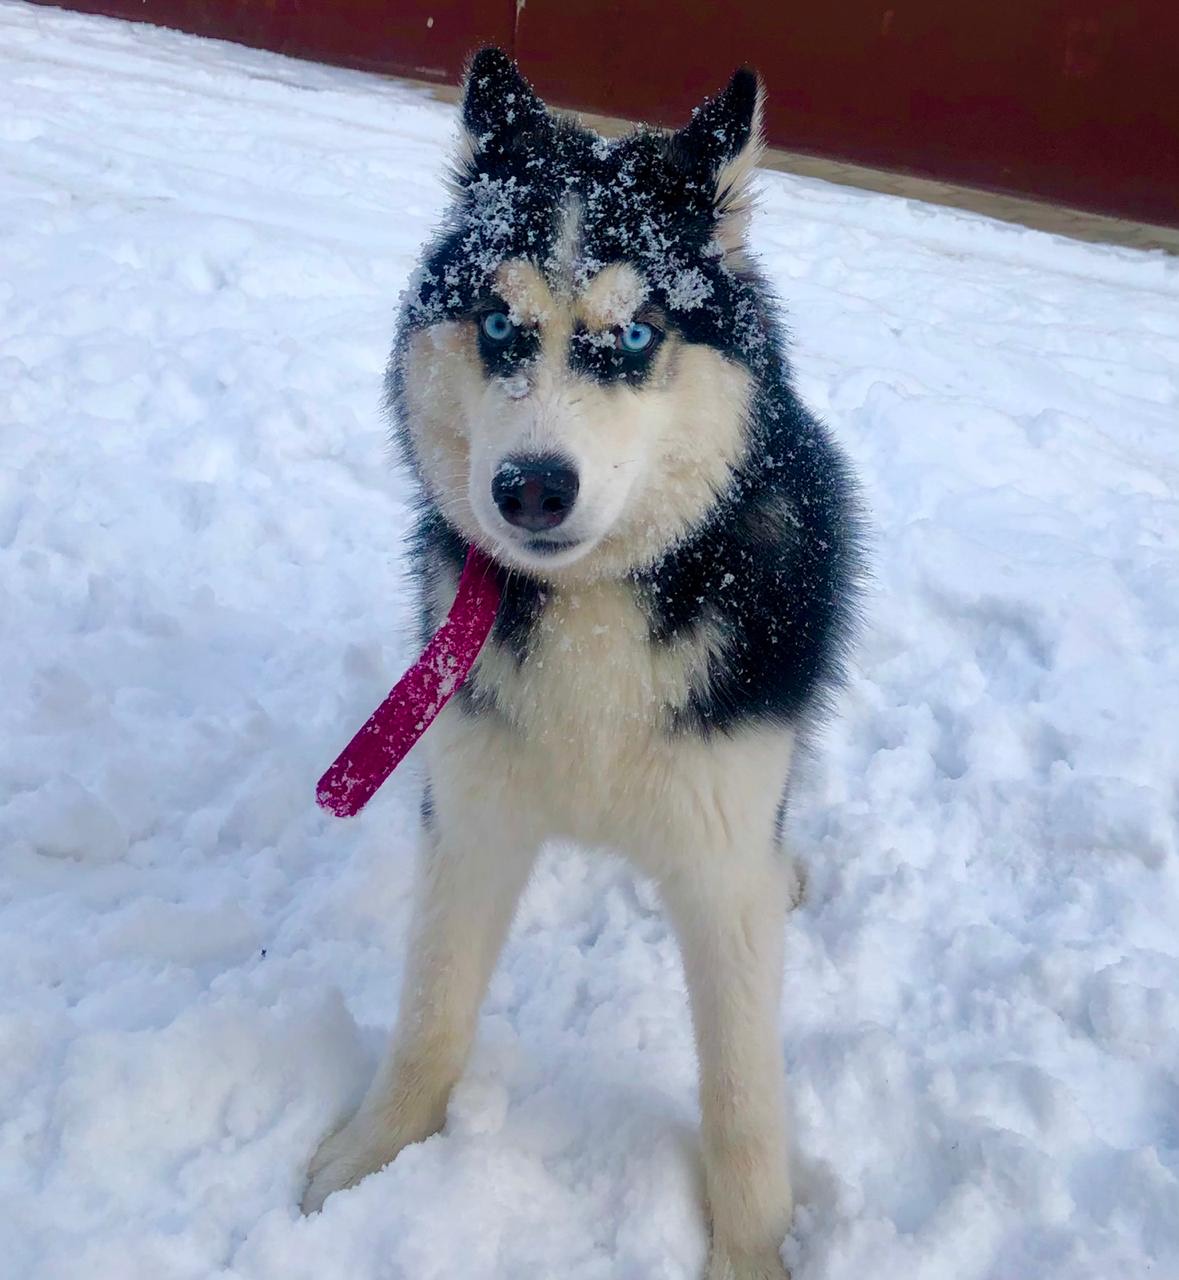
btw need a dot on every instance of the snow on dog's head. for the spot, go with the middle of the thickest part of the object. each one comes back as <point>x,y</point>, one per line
<point>575,369</point>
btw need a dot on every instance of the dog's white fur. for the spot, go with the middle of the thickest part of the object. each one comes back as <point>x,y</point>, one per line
<point>578,747</point>
<point>583,758</point>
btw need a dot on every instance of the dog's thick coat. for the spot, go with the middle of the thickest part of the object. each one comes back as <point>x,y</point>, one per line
<point>590,383</point>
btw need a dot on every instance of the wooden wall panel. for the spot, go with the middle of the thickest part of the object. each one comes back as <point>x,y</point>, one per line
<point>1075,101</point>
<point>425,39</point>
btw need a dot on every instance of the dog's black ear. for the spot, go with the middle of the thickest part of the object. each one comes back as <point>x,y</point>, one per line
<point>500,112</point>
<point>721,145</point>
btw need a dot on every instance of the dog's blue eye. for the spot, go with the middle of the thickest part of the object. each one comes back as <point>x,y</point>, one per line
<point>498,327</point>
<point>636,337</point>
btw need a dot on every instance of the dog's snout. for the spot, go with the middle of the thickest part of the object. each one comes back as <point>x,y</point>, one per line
<point>535,493</point>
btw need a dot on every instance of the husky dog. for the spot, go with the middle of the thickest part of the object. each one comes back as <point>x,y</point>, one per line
<point>590,384</point>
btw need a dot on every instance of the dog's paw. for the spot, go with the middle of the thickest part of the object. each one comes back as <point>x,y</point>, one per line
<point>726,1264</point>
<point>343,1159</point>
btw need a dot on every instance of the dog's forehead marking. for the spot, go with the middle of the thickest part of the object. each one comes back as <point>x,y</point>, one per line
<point>613,297</point>
<point>565,260</point>
<point>524,288</point>
<point>610,299</point>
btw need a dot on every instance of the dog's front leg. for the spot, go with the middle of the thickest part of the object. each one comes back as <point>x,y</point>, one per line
<point>729,908</point>
<point>473,868</point>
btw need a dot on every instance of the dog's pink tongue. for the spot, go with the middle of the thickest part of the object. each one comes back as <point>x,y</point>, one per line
<point>384,740</point>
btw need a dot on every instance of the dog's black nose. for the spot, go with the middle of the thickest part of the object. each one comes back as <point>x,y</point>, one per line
<point>535,493</point>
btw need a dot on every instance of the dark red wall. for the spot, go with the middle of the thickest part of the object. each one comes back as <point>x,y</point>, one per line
<point>426,39</point>
<point>1069,100</point>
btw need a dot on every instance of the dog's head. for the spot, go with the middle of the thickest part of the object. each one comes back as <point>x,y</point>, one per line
<point>574,374</point>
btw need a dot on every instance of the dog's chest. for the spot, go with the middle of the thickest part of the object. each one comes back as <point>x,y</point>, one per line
<point>592,672</point>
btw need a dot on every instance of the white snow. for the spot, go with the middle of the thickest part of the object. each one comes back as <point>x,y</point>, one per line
<point>201,248</point>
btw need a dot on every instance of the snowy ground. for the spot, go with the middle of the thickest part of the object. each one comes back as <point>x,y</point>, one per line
<point>203,593</point>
